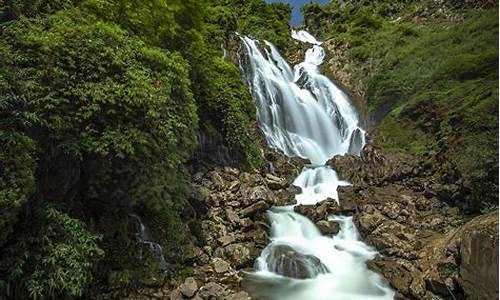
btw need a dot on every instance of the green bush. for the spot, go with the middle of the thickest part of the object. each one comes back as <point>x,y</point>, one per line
<point>17,179</point>
<point>172,24</point>
<point>227,99</point>
<point>93,90</point>
<point>55,262</point>
<point>14,9</point>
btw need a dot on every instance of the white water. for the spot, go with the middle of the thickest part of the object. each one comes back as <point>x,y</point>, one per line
<point>305,37</point>
<point>154,248</point>
<point>302,113</point>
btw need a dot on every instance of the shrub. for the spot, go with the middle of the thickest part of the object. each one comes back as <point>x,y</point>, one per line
<point>55,262</point>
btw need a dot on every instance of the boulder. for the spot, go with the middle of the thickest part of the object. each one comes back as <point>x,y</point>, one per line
<point>189,287</point>
<point>212,290</point>
<point>241,254</point>
<point>328,227</point>
<point>220,265</point>
<point>275,183</point>
<point>479,257</point>
<point>258,207</point>
<point>368,222</point>
<point>286,261</point>
<point>239,296</point>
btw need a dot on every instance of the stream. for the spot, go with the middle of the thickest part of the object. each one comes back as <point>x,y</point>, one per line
<point>302,113</point>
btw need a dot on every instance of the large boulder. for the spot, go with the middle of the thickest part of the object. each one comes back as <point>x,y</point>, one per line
<point>479,257</point>
<point>286,261</point>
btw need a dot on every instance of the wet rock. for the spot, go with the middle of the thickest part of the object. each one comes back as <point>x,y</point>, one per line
<point>328,227</point>
<point>189,287</point>
<point>284,260</point>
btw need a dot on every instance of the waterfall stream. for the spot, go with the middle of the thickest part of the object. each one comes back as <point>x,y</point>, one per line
<point>302,113</point>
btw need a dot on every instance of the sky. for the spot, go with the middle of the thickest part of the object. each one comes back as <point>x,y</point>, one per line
<point>297,18</point>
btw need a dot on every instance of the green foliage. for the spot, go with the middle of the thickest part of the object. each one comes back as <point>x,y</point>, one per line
<point>17,181</point>
<point>172,24</point>
<point>94,90</point>
<point>56,261</point>
<point>399,136</point>
<point>14,9</point>
<point>228,103</point>
<point>265,21</point>
<point>269,21</point>
<point>454,73</point>
<point>124,111</point>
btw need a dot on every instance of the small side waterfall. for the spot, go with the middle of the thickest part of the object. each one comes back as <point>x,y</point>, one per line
<point>154,248</point>
<point>302,113</point>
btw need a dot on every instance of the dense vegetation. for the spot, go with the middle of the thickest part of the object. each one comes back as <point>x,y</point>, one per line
<point>101,104</point>
<point>431,76</point>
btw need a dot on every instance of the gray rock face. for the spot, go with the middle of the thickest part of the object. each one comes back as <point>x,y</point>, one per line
<point>284,260</point>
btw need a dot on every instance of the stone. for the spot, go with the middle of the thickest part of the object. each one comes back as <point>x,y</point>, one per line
<point>217,180</point>
<point>232,216</point>
<point>328,227</point>
<point>479,257</point>
<point>260,192</point>
<point>175,294</point>
<point>239,296</point>
<point>234,186</point>
<point>258,207</point>
<point>240,254</point>
<point>189,287</point>
<point>286,261</point>
<point>220,265</point>
<point>368,222</point>
<point>275,183</point>
<point>212,290</point>
<point>395,272</point>
<point>226,240</point>
<point>232,171</point>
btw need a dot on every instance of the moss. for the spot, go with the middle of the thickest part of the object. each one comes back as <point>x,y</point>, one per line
<point>395,135</point>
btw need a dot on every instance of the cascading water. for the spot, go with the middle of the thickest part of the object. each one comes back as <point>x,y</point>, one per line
<point>302,113</point>
<point>154,248</point>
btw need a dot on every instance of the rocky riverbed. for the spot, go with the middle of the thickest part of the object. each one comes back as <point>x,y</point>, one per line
<point>405,208</point>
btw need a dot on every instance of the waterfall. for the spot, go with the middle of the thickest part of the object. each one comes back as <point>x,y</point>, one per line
<point>154,248</point>
<point>302,113</point>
